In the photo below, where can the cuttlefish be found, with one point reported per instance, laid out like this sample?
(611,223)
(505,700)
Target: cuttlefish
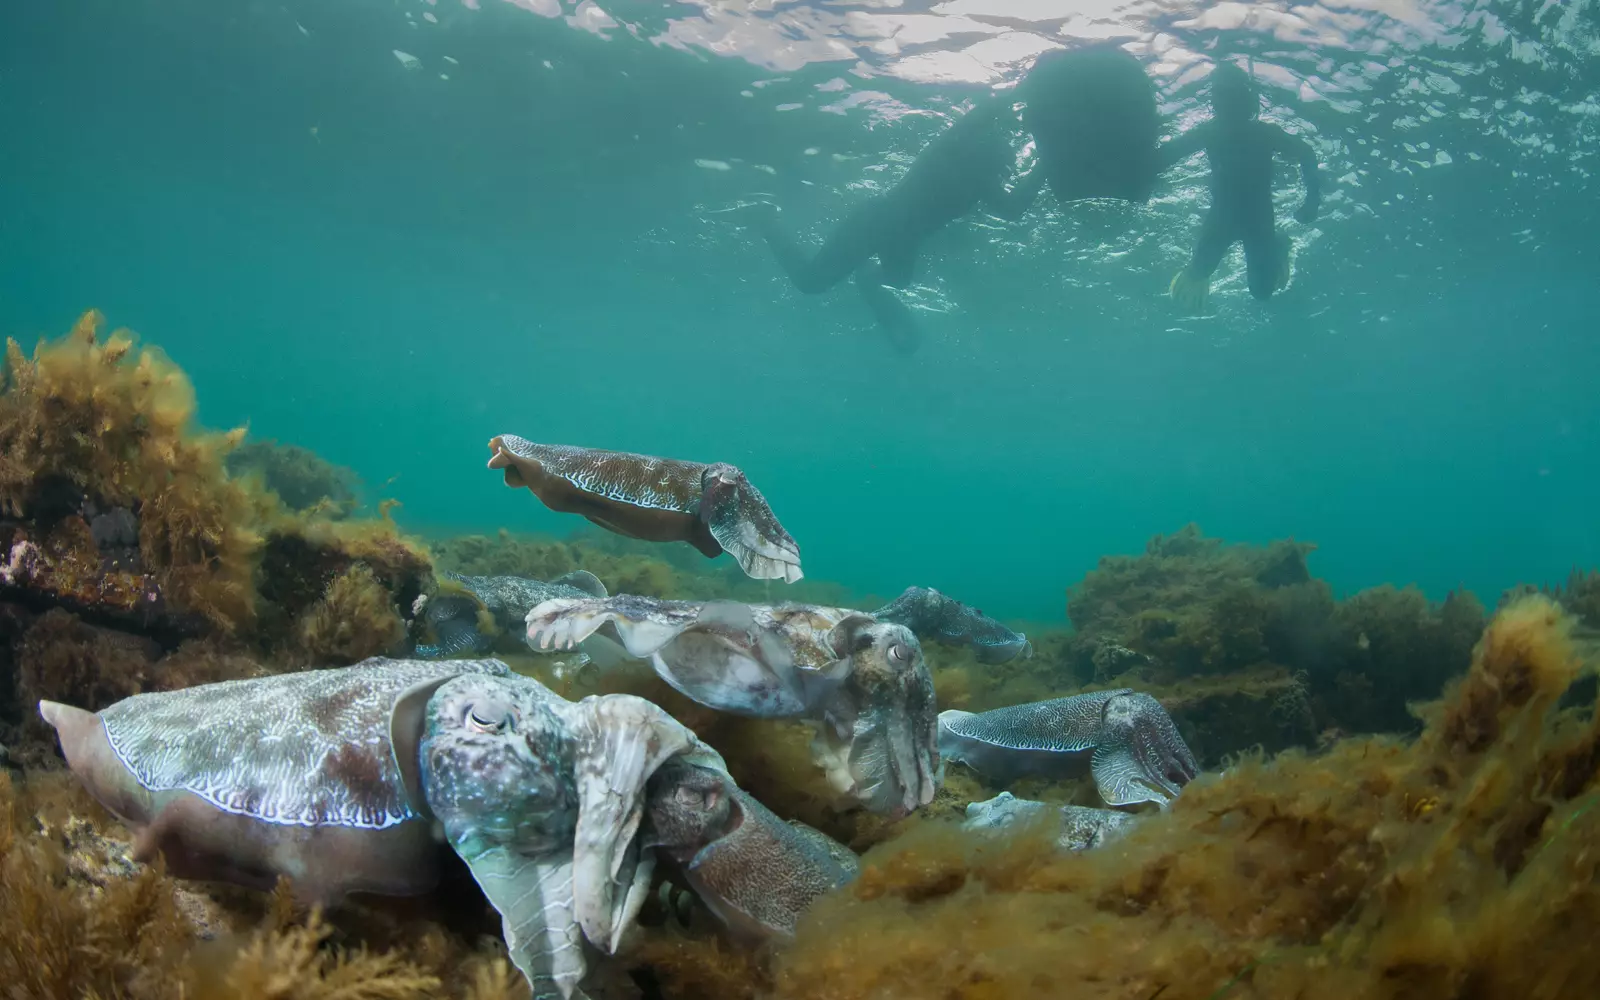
(756,873)
(347,780)
(452,615)
(711,506)
(1125,739)
(945,620)
(862,683)
(1078,828)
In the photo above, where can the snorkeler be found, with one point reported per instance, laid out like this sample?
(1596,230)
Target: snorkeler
(1240,148)
(965,165)
(1096,128)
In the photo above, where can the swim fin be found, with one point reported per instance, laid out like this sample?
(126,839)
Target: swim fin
(1189,291)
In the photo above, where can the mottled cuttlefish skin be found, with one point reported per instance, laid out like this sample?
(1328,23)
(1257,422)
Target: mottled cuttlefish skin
(932,615)
(1124,738)
(1082,827)
(453,617)
(756,873)
(713,507)
(863,683)
(453,621)
(345,780)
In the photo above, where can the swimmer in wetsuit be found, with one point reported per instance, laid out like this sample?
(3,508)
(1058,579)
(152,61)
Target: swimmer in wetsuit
(965,165)
(1240,148)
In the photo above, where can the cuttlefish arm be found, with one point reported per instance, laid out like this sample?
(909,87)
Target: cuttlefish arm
(621,741)
(742,522)
(1140,756)
(878,737)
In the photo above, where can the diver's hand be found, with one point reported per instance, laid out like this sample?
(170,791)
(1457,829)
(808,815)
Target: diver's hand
(1306,214)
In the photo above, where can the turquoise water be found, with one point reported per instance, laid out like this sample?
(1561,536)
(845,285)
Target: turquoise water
(390,264)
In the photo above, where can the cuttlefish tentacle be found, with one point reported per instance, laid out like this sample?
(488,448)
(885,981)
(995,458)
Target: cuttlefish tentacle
(713,507)
(1127,740)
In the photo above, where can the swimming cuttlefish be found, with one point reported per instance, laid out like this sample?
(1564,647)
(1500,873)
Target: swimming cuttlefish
(862,683)
(1125,739)
(711,506)
(347,780)
(932,615)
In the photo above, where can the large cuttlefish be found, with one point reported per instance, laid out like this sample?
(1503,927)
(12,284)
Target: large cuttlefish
(711,506)
(1124,738)
(339,779)
(862,684)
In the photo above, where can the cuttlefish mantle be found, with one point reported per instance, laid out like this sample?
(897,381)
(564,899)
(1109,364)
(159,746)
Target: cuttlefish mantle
(713,507)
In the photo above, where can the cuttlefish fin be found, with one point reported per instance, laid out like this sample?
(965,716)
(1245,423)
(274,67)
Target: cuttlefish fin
(742,522)
(534,898)
(582,579)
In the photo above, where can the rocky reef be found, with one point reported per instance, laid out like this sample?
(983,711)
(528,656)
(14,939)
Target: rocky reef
(1459,863)
(1242,644)
(131,559)
(1356,837)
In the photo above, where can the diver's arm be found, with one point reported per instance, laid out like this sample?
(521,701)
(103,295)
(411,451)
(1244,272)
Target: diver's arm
(1014,204)
(1306,154)
(1181,147)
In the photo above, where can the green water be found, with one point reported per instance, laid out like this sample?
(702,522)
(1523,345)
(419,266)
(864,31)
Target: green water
(526,233)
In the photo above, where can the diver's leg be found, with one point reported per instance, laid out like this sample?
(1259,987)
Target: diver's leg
(1266,257)
(848,246)
(1191,285)
(893,316)
(897,262)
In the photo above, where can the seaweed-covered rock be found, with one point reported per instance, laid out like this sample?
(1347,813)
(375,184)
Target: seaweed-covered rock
(1189,604)
(305,481)
(1193,607)
(96,444)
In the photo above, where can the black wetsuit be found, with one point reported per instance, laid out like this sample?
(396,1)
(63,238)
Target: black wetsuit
(964,165)
(1240,153)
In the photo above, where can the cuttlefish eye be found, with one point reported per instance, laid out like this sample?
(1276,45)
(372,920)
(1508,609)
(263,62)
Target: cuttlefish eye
(488,717)
(899,653)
